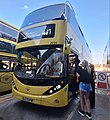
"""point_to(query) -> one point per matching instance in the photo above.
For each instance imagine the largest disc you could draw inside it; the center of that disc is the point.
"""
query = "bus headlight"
(51, 91)
(58, 86)
(54, 89)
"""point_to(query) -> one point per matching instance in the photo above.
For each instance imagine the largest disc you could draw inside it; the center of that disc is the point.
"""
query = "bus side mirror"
(67, 49)
(64, 16)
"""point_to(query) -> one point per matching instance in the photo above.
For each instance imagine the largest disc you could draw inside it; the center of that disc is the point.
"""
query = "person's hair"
(92, 67)
(88, 69)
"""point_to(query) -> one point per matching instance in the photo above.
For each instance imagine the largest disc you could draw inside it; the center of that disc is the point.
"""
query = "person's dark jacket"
(85, 77)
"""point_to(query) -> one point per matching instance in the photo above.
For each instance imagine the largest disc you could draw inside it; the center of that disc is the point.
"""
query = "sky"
(92, 16)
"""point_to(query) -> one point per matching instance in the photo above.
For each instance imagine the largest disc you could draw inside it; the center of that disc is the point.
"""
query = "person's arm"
(94, 75)
(78, 69)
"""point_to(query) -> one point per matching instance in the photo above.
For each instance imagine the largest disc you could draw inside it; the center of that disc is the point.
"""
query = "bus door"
(73, 83)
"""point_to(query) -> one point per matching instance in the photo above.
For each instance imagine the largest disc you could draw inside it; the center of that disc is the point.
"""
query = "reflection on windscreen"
(45, 31)
(44, 63)
(7, 47)
(44, 14)
(8, 32)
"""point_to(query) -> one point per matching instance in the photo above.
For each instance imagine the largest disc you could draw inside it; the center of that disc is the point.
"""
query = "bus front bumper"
(59, 99)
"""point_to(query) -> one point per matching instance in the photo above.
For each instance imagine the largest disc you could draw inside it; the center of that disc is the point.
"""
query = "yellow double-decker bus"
(8, 35)
(106, 60)
(106, 57)
(49, 39)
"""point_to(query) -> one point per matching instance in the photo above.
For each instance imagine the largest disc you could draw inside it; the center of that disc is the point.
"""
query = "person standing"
(92, 93)
(84, 88)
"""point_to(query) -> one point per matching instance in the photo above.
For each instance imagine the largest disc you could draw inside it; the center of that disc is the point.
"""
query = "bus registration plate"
(27, 99)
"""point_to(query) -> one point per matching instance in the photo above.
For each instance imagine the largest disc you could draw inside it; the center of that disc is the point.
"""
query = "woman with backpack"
(84, 87)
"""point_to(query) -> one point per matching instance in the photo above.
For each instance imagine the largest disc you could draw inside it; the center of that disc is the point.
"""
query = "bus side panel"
(76, 43)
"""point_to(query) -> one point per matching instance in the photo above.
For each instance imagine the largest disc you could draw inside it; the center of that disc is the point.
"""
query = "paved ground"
(19, 110)
(101, 111)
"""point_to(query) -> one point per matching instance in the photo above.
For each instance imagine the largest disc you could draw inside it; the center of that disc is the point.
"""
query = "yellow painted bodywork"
(67, 49)
(6, 76)
(59, 37)
(4, 54)
(5, 81)
(7, 41)
(36, 94)
(58, 99)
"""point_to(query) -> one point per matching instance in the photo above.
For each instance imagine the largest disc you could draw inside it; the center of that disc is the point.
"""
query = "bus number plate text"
(27, 99)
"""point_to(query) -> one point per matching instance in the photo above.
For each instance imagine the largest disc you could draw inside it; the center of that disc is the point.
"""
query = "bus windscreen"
(45, 31)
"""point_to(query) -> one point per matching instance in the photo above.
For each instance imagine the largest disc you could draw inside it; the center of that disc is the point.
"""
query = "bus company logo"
(27, 88)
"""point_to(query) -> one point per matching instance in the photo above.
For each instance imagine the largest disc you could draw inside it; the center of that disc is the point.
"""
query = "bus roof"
(2, 21)
(47, 13)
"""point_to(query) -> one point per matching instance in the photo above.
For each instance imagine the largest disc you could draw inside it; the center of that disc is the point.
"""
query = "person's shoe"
(82, 113)
(88, 115)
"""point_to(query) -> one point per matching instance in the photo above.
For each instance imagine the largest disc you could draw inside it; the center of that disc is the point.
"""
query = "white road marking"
(6, 98)
(74, 110)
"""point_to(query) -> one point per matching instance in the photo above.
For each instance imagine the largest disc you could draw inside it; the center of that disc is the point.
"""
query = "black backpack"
(85, 77)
